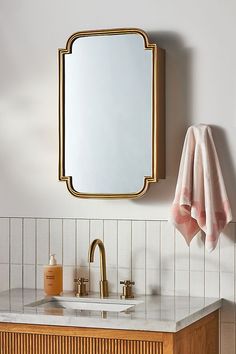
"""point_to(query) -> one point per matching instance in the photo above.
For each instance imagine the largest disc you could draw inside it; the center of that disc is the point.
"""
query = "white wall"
(199, 38)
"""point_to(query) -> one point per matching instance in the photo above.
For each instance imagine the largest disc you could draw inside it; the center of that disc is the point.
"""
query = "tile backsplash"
(150, 252)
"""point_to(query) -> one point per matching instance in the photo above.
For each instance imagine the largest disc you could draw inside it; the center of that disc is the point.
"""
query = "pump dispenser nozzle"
(52, 260)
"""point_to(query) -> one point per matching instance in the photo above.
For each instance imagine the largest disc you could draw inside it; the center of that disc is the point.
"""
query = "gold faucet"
(103, 282)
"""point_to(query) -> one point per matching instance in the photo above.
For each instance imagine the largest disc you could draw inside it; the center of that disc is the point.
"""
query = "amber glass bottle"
(53, 275)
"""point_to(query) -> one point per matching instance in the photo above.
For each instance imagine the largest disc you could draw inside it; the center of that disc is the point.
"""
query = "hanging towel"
(201, 202)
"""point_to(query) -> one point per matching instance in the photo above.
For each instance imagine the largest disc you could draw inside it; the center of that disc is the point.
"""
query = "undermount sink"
(87, 304)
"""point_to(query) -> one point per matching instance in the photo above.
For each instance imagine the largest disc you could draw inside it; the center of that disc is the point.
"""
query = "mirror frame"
(158, 111)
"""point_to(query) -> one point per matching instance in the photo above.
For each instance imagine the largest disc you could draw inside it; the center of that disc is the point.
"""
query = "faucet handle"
(81, 287)
(127, 291)
(127, 282)
(81, 280)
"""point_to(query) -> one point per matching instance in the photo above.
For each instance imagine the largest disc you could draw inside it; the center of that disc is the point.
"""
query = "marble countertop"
(154, 313)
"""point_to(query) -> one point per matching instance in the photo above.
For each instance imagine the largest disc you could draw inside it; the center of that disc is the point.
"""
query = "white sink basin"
(88, 304)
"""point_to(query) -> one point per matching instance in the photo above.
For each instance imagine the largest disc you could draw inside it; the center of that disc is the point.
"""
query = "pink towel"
(200, 200)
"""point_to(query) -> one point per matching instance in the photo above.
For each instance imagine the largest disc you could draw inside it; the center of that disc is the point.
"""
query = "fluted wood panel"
(29, 343)
(201, 337)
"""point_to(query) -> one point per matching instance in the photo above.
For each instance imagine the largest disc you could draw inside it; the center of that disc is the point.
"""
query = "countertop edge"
(140, 322)
(198, 315)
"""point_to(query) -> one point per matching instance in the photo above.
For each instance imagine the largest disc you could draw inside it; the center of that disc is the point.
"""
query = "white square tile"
(69, 243)
(29, 241)
(227, 241)
(227, 292)
(153, 286)
(197, 283)
(212, 284)
(138, 244)
(4, 240)
(153, 245)
(228, 311)
(167, 282)
(29, 276)
(197, 253)
(4, 276)
(82, 243)
(112, 274)
(40, 277)
(94, 279)
(182, 283)
(42, 236)
(182, 252)
(139, 277)
(227, 285)
(123, 274)
(227, 338)
(16, 240)
(124, 244)
(96, 232)
(167, 245)
(68, 278)
(212, 259)
(16, 276)
(111, 242)
(55, 246)
(96, 229)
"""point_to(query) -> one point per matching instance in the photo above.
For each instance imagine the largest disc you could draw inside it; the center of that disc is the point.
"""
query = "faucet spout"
(103, 282)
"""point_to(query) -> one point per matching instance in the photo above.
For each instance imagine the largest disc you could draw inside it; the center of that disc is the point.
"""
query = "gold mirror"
(111, 112)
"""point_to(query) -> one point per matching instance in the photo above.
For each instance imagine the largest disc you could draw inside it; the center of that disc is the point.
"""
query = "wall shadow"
(226, 161)
(178, 75)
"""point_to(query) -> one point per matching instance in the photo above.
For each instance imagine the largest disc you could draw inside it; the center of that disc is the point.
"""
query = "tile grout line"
(131, 250)
(75, 243)
(174, 261)
(189, 265)
(22, 255)
(117, 255)
(62, 242)
(89, 266)
(234, 290)
(219, 270)
(160, 258)
(49, 238)
(9, 238)
(76, 255)
(204, 269)
(103, 236)
(219, 266)
(71, 218)
(36, 253)
(145, 258)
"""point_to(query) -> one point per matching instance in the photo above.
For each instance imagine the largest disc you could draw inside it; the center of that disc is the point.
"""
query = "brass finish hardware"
(158, 111)
(127, 289)
(81, 287)
(103, 284)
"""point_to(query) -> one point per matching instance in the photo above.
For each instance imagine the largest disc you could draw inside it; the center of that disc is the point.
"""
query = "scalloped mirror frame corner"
(158, 112)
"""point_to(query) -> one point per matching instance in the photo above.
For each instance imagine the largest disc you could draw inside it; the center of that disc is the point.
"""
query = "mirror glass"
(107, 114)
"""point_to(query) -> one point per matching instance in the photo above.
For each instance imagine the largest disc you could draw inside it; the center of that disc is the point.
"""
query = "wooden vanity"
(201, 337)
